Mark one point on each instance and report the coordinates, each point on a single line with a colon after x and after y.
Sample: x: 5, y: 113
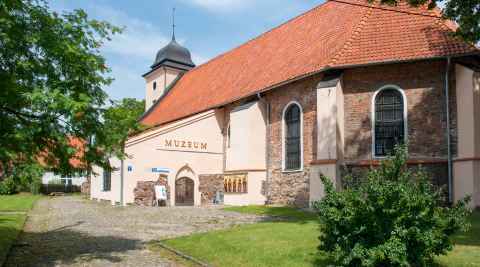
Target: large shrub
x: 22, y: 178
x: 392, y: 217
x: 8, y: 186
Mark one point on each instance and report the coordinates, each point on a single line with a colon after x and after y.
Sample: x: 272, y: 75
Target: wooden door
x: 184, y: 192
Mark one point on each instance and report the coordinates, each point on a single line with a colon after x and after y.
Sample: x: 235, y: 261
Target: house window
x: 292, y: 137
x: 107, y: 180
x: 389, y: 121
x: 228, y: 136
x: 154, y: 85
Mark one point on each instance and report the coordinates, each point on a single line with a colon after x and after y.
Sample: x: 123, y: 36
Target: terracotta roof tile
x: 337, y: 33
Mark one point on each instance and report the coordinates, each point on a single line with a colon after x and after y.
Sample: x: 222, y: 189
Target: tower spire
x: 173, y: 24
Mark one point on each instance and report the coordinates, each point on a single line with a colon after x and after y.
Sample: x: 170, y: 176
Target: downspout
x: 449, y: 142
x: 122, y: 175
x: 267, y: 147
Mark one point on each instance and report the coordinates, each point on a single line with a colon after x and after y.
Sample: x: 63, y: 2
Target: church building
x: 330, y: 92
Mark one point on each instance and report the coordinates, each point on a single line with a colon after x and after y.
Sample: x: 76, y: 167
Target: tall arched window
x: 389, y: 121
x: 292, y: 137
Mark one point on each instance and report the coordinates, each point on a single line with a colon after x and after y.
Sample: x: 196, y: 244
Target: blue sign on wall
x: 160, y: 170
x: 129, y: 168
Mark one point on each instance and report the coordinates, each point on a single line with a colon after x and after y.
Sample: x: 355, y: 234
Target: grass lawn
x: 292, y: 242
x: 18, y: 202
x: 12, y: 217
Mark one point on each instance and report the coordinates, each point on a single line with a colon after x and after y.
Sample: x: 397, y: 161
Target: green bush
x: 392, y: 217
x: 36, y: 185
x: 23, y: 178
x: 8, y: 187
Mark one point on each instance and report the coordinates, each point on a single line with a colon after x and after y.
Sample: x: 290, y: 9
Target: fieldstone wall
x: 209, y: 184
x: 144, y: 193
x: 291, y: 189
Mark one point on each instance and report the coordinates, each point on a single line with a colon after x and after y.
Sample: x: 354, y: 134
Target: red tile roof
x: 335, y: 34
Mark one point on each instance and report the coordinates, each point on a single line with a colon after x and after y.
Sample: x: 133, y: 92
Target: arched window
x: 292, y: 117
x: 389, y: 121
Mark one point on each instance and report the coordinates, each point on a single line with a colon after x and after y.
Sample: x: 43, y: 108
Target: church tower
x: 170, y: 62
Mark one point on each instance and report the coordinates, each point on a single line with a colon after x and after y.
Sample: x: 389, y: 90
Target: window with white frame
x: 292, y: 134
x: 389, y: 120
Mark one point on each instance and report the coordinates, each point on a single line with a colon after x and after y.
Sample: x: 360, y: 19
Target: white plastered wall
x: 329, y: 140
x: 176, y: 147
x: 163, y: 77
x: 96, y: 187
x: 467, y: 164
x: 245, y: 152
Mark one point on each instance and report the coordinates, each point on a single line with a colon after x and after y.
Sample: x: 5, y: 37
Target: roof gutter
x: 449, y: 142
x: 267, y: 147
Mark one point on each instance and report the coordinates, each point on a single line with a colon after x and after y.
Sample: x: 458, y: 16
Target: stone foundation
x: 209, y: 185
x: 290, y: 189
x: 144, y: 193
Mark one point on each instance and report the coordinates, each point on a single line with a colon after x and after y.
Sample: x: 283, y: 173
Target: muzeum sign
x: 173, y: 144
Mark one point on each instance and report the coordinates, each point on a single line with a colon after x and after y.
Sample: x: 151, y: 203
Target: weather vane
x: 173, y: 24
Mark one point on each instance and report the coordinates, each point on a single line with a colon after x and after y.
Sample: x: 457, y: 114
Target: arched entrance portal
x: 184, y: 192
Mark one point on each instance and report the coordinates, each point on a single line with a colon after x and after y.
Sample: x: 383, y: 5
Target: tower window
x: 154, y: 85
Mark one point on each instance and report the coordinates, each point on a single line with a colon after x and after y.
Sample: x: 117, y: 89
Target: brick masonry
x: 291, y: 188
x: 423, y: 84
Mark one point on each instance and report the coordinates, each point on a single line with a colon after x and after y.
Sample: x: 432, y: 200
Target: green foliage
x: 35, y: 185
x: 120, y: 120
x: 8, y: 186
x: 51, y: 79
x: 393, y: 217
x: 23, y: 178
x: 466, y: 13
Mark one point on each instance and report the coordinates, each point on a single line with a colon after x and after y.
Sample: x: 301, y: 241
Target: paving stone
x: 71, y: 231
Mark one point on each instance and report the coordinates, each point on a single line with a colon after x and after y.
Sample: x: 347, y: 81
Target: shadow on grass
x: 272, y: 213
x: 472, y: 236
x: 66, y: 246
x: 10, y: 226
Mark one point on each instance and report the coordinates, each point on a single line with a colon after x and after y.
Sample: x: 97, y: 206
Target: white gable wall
x: 193, y: 144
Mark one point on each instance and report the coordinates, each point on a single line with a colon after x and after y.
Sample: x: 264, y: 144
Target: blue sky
x: 206, y: 27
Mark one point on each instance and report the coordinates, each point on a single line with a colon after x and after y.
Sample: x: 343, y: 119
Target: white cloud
x: 221, y: 5
x: 139, y: 39
x: 130, y: 53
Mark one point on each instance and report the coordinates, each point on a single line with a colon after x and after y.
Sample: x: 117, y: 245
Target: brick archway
x: 184, y: 192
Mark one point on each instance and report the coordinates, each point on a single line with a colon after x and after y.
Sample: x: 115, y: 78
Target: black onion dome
x: 174, y: 55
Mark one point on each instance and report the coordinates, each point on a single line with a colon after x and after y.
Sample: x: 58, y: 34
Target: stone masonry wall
x: 144, y: 193
x: 208, y: 186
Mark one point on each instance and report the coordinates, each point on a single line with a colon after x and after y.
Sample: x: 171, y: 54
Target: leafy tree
x: 51, y: 79
x: 392, y: 218
x: 120, y: 120
x: 466, y: 13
